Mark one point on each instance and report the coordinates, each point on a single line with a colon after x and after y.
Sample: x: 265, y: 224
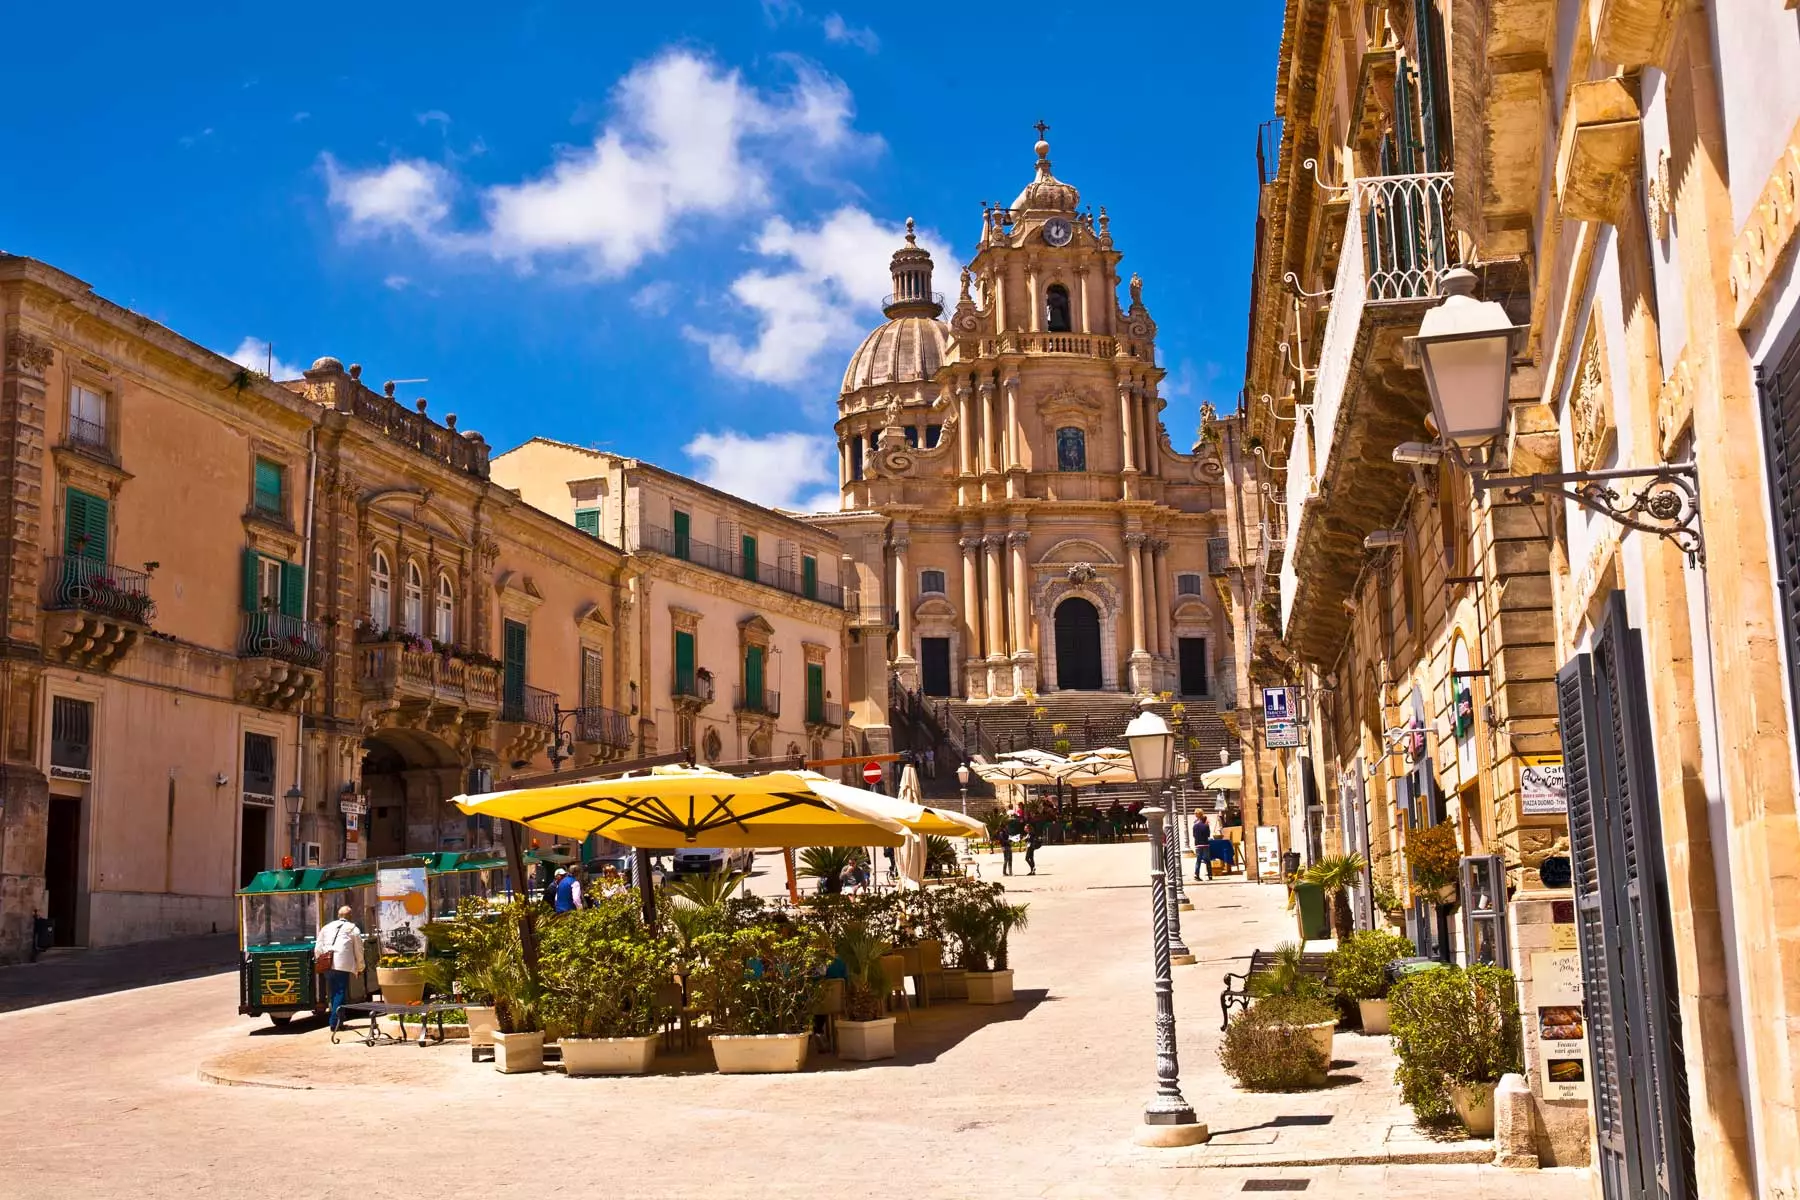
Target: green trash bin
x: 1310, y: 908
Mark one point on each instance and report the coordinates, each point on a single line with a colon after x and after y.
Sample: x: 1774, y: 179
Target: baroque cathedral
x: 1016, y: 523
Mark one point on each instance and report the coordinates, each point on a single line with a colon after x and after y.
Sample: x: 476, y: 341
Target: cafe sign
x: 1543, y: 791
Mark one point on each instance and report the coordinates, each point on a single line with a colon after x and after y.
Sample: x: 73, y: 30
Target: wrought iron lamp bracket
x: 1668, y: 505
x: 556, y: 752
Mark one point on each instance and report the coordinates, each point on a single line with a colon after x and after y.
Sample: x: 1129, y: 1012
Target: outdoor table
x: 375, y: 1009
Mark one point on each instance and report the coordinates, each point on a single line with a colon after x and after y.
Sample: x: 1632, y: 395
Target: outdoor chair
x: 829, y: 1007
x: 677, y: 1018
x: 893, y: 967
x: 931, y: 964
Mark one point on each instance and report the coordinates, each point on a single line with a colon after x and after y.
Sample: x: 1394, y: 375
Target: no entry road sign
x: 871, y: 773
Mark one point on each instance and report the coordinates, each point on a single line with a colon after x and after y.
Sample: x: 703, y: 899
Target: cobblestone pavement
x: 110, y: 1095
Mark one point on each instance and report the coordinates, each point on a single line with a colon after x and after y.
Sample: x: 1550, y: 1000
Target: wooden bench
x: 1312, y: 966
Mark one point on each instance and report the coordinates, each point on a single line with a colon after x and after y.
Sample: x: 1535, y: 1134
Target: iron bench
x: 1237, y: 994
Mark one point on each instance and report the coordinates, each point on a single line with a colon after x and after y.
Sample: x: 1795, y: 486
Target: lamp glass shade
x: 1467, y: 377
x: 295, y: 797
x: 1152, y: 747
x: 962, y: 775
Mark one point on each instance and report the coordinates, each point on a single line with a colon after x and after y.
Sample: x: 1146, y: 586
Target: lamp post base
x: 1193, y: 1133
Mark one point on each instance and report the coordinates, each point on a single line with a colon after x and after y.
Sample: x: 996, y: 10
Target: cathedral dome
x: 903, y: 350
x: 1046, y: 193
x: 910, y: 346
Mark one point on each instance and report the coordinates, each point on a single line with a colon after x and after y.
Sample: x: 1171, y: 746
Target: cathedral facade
x: 1015, y: 518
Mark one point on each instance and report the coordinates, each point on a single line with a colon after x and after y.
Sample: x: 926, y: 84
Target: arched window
x: 381, y: 591
x: 412, y: 611
x: 1071, y: 450
x: 1056, y: 309
x: 444, y: 616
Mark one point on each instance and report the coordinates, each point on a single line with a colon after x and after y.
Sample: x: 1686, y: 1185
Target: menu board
x: 1559, y: 1016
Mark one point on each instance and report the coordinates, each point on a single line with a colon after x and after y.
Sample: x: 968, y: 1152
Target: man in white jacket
x: 343, y: 942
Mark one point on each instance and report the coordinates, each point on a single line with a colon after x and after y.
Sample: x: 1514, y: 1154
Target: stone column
x: 986, y: 457
x: 1152, y: 449
x: 999, y: 279
x: 963, y: 418
x: 1024, y: 659
x: 996, y: 620
x: 1081, y: 299
x: 903, y: 656
x: 1153, y: 607
x: 1031, y: 292
x: 971, y: 610
x: 1165, y: 599
x: 1125, y: 423
x: 1140, y: 662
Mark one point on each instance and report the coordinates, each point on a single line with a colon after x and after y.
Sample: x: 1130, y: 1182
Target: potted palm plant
x: 1291, y: 997
x: 518, y: 1017
x: 827, y: 864
x: 757, y: 986
x: 1357, y: 970
x: 864, y: 1032
x: 1336, y: 875
x: 602, y: 973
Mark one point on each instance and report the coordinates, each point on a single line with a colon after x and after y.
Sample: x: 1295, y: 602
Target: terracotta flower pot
x: 759, y: 1053
x: 865, y: 1041
x: 1474, y: 1104
x: 518, y: 1052
x: 608, y: 1056
x: 1374, y: 1015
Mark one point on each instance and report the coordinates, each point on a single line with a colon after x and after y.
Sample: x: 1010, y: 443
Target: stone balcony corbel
x: 1596, y: 164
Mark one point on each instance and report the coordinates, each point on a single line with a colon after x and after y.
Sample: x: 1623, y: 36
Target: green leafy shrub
x: 1297, y: 1010
x: 1453, y: 1025
x: 759, y: 980
x: 827, y: 864
x: 1434, y: 857
x: 1358, y: 967
x: 602, y: 970
x: 1264, y: 1050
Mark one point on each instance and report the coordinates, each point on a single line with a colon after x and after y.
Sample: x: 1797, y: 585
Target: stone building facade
x: 737, y: 626
x: 1016, y: 522
x: 251, y: 620
x: 1621, y: 178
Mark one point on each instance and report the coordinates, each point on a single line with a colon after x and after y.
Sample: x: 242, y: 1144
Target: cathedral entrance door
x: 1078, y: 646
x: 934, y: 666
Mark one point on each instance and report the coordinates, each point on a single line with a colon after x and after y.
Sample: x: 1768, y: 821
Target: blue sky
x: 657, y: 229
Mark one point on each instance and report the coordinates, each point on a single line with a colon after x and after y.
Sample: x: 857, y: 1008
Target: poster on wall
x: 1559, y: 1016
x: 1281, y: 728
x: 401, y: 908
x: 1542, y: 789
x: 1268, y: 852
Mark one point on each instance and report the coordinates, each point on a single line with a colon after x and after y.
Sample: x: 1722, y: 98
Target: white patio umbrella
x: 1228, y: 778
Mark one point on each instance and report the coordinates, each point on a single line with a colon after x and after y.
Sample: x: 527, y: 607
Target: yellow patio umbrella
x: 921, y: 818
x: 672, y: 807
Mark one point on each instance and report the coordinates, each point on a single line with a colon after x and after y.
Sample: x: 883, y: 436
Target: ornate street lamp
x: 1169, y: 1119
x: 962, y: 781
x: 1465, y: 347
x: 1184, y: 833
x: 1153, y: 759
x: 295, y: 798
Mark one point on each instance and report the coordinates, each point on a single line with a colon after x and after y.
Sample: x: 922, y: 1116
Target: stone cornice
x: 680, y: 573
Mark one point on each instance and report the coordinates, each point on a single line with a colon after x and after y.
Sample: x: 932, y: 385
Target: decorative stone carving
x: 1660, y: 200
x: 1590, y: 410
x: 28, y: 354
x: 1081, y: 573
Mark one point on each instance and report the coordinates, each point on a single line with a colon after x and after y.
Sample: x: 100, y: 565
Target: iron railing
x: 690, y: 684
x: 893, y: 298
x: 529, y: 706
x: 731, y: 562
x: 277, y: 635
x: 824, y: 713
x: 596, y: 723
x: 88, y: 434
x: 74, y: 581
x: 758, y: 700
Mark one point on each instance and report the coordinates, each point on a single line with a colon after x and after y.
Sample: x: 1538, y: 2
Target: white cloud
x: 835, y: 274
x: 433, y: 116
x: 687, y: 137
x: 654, y: 298
x: 409, y: 194
x: 398, y: 283
x: 782, y: 470
x: 839, y: 30
x: 253, y: 353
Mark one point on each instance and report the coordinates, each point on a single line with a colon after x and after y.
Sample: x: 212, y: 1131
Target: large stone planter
x: 865, y: 1041
x: 1321, y: 1035
x: 990, y: 987
x: 955, y: 984
x: 759, y: 1053
x: 1474, y: 1105
x: 608, y: 1056
x: 515, y: 1053
x: 1374, y: 1016
x: 401, y: 985
x: 482, y: 1023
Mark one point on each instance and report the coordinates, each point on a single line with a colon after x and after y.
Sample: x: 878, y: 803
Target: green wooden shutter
x: 588, y: 521
x: 84, y: 525
x: 293, y: 589
x: 513, y: 660
x: 749, y: 555
x: 682, y: 530
x: 753, y: 678
x: 809, y: 577
x: 684, y: 663
x: 815, y: 692
x: 268, y: 486
x: 252, y: 580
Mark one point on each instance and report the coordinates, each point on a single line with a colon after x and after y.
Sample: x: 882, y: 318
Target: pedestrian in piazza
x: 1006, y: 848
x: 565, y: 892
x: 1034, y: 838
x: 1202, y: 838
x: 339, y: 951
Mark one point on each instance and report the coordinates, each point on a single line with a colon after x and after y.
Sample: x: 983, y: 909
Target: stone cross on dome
x: 1042, y: 129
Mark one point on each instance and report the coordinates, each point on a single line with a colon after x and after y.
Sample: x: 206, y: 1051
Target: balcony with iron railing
x: 529, y: 705
x: 761, y: 701
x: 824, y: 712
x: 93, y: 610
x: 603, y: 727
x: 870, y: 616
x: 393, y: 670
x: 1398, y: 240
x: 731, y: 562
x: 89, y: 437
x: 691, y: 686
x: 277, y: 635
